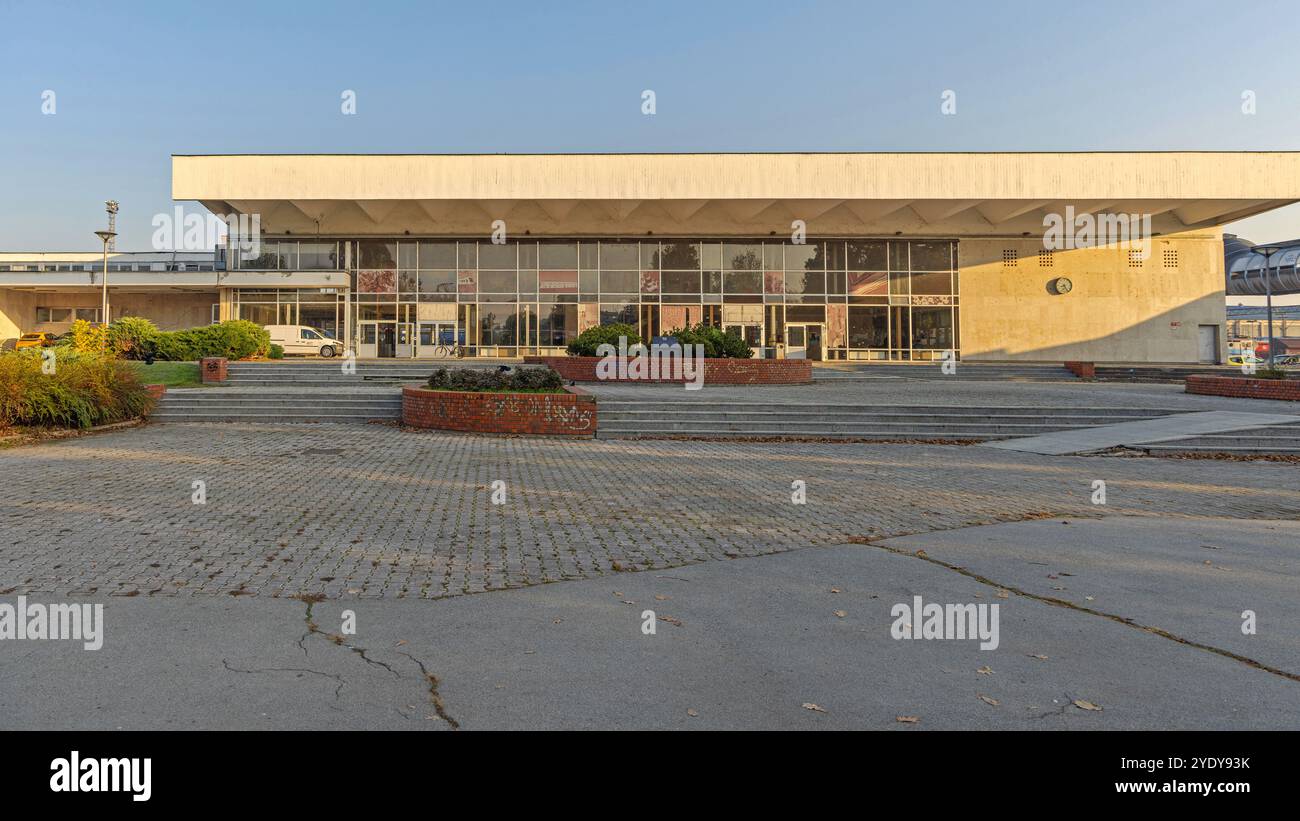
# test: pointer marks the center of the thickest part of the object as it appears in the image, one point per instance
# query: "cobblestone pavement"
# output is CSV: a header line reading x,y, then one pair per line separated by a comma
x,y
374,511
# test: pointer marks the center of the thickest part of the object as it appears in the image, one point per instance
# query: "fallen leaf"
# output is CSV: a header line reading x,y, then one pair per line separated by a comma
x,y
907,719
808,705
1086,705
400,643
835,590
1002,594
988,700
661,597
985,670
676,622
1037,656
841,613
692,713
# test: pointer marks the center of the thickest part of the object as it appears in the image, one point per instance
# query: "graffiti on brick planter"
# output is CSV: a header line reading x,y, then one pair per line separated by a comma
x,y
564,414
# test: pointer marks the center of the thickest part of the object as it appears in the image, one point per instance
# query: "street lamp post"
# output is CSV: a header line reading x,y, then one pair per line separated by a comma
x,y
106,236
1267,251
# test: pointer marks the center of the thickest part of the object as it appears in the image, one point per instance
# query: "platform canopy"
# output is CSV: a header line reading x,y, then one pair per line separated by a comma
x,y
880,194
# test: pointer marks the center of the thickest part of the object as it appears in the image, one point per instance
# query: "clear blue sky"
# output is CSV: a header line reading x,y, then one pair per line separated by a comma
x,y
139,81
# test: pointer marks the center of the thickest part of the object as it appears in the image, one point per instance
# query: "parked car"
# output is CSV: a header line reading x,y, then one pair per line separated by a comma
x,y
1289,360
39,339
1243,359
304,339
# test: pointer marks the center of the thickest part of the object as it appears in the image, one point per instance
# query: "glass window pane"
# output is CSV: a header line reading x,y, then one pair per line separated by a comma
x,y
406,253
932,328
803,257
619,256
868,327
680,256
438,255
496,282
931,256
497,256
623,282
868,256
932,283
318,256
744,282
376,254
681,282
437,282
498,324
467,255
742,256
559,256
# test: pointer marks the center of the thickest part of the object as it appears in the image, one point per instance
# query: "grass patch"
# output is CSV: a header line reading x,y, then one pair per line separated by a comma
x,y
171,374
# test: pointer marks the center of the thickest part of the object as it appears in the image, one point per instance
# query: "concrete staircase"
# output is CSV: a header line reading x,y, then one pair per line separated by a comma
x,y
1273,439
1156,373
291,404
631,419
329,373
965,372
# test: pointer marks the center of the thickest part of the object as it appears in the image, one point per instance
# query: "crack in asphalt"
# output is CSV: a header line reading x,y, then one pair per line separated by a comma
x,y
337,690
313,628
434,696
1068,605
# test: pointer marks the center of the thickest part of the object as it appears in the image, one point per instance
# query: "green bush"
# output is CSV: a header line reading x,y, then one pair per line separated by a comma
x,y
233,339
276,352
478,380
715,342
132,337
592,338
84,390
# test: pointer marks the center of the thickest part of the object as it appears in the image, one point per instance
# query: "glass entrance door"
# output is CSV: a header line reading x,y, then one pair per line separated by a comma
x,y
435,340
368,340
803,341
405,348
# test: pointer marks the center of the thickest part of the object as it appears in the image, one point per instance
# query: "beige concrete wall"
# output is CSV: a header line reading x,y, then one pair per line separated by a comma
x,y
1114,313
170,311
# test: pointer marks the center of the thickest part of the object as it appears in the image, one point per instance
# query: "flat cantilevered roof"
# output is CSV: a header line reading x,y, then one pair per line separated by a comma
x,y
740,193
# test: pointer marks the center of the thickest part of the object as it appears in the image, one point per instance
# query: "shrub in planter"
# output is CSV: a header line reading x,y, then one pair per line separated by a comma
x,y
478,380
716,343
276,352
83,390
592,338
1269,373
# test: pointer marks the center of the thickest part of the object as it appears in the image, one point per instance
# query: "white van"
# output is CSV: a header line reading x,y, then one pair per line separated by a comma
x,y
304,340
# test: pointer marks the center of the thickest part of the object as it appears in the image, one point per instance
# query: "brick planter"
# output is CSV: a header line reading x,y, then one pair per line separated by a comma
x,y
572,413
716,371
1083,370
156,391
1244,387
212,369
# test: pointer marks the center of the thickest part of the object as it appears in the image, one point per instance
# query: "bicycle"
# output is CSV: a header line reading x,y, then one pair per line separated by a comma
x,y
444,350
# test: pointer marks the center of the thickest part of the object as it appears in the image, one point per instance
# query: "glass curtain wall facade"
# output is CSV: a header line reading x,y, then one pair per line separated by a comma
x,y
858,298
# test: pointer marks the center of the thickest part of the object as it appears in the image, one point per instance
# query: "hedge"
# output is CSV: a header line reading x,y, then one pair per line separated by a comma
x,y
592,338
134,337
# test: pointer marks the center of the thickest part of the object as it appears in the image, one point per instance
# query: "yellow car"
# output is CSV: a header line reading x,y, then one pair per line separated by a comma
x,y
35,340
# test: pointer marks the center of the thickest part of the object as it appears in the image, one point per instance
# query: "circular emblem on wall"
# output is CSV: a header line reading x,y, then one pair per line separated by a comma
x,y
1061,285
